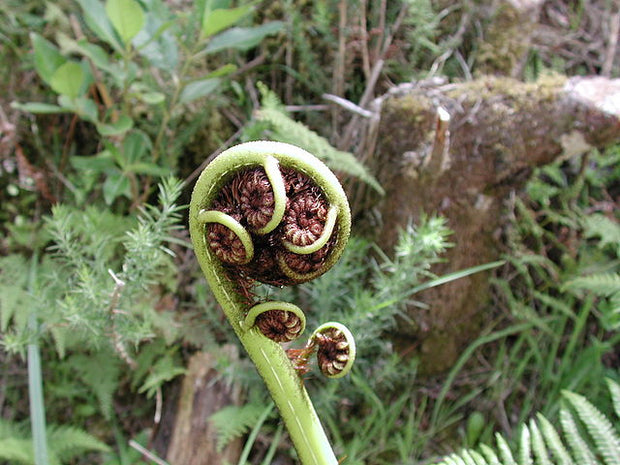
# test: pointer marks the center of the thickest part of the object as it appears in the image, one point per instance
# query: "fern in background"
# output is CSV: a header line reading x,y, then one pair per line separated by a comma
x,y
65,444
95,305
588,437
282,128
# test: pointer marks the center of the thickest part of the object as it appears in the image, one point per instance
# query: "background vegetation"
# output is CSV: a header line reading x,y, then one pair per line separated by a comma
x,y
107,112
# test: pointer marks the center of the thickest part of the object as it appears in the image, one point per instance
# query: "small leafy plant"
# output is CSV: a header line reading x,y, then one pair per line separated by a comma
x,y
133,77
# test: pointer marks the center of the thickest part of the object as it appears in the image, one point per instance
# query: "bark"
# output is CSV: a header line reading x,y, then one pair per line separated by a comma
x,y
186,437
459,150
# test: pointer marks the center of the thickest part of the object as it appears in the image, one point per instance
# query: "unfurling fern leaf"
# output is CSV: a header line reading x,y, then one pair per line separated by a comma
x,y
590,436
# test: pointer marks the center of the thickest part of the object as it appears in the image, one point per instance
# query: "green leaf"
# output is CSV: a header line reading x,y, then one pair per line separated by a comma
x,y
222,71
243,38
135,146
47,57
152,98
156,43
215,21
197,89
84,107
115,185
97,20
101,163
95,53
38,107
124,124
68,79
145,93
126,16
147,168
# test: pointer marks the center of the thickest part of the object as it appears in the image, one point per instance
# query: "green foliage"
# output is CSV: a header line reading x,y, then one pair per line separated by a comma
x,y
156,364
95,306
142,59
562,282
65,444
233,421
589,437
282,128
100,372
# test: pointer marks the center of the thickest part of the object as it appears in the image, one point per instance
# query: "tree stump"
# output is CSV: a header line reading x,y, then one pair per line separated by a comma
x,y
459,150
186,436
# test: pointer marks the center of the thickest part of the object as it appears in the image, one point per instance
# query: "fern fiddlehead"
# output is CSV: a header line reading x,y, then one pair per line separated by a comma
x,y
271,212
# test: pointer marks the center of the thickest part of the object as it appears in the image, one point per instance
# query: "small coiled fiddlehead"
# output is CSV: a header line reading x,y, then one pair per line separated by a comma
x,y
271,212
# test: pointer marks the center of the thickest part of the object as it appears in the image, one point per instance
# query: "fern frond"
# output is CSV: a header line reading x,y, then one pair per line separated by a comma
x,y
234,421
614,389
489,455
453,459
16,451
13,296
525,447
100,371
477,458
504,450
602,284
600,428
553,441
68,442
287,130
538,445
598,225
581,451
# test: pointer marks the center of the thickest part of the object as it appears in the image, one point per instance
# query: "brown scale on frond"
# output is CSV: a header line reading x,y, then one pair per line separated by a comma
x,y
279,325
333,352
225,244
248,197
305,218
254,194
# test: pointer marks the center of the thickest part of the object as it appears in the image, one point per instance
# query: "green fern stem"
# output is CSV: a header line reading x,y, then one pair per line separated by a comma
x,y
271,360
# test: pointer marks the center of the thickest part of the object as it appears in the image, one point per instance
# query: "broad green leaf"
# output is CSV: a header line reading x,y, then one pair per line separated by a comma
x,y
126,16
97,20
95,53
147,168
47,57
115,185
197,89
156,43
222,71
135,146
145,93
121,126
243,38
103,162
82,106
68,79
38,107
215,21
152,98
